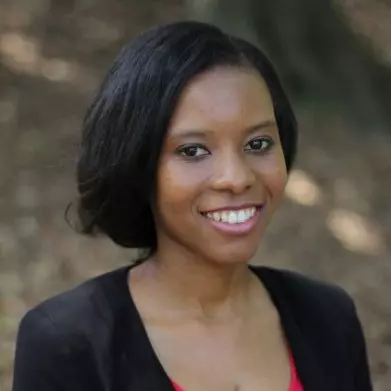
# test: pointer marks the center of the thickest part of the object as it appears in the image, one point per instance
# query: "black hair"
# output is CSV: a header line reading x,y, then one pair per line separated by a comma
x,y
125,125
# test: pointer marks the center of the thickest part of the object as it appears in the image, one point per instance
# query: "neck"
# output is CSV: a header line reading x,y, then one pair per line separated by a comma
x,y
205,289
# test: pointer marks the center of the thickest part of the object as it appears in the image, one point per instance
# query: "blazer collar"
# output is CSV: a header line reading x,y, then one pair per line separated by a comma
x,y
138,368
309,368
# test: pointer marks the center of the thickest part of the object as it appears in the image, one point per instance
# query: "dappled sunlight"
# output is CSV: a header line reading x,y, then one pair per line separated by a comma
x,y
302,189
57,69
22,54
335,223
355,232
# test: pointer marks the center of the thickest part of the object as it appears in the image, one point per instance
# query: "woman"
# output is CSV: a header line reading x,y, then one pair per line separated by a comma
x,y
185,154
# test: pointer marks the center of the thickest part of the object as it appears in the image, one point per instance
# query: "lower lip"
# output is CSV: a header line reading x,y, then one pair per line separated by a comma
x,y
239,228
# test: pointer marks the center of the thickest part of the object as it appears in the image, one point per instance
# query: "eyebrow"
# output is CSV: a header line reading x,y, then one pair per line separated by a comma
x,y
262,125
204,132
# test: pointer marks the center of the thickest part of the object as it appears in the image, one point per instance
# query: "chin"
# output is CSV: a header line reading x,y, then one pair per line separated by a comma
x,y
231,256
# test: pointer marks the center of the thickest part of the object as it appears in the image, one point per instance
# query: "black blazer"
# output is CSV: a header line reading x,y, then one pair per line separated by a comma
x,y
91,338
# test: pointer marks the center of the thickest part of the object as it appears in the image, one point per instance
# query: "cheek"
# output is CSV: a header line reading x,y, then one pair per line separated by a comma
x,y
274,174
179,184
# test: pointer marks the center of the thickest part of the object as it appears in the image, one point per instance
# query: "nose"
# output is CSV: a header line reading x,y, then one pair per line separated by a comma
x,y
232,173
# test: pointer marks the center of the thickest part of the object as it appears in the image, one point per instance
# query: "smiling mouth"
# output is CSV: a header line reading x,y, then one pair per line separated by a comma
x,y
234,217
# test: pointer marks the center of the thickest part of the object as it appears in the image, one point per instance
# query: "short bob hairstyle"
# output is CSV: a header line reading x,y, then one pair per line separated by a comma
x,y
126,124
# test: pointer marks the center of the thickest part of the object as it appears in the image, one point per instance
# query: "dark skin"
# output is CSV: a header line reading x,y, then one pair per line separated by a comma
x,y
210,320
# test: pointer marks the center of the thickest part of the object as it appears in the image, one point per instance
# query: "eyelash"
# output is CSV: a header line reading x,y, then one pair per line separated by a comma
x,y
268,140
182,149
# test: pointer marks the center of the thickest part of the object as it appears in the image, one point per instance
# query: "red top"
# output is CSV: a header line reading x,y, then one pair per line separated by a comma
x,y
295,384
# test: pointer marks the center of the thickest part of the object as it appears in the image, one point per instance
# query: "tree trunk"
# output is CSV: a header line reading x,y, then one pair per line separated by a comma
x,y
319,58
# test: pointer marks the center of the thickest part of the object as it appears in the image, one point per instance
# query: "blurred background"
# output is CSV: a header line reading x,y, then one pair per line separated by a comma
x,y
335,223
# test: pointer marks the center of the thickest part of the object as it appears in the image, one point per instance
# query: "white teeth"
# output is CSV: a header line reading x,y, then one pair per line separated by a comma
x,y
251,212
242,216
216,216
232,216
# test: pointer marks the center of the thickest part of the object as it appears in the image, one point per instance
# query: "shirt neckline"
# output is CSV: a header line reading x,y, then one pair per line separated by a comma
x,y
145,349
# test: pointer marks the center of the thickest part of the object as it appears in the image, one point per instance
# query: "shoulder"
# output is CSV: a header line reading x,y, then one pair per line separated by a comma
x,y
67,339
87,299
326,316
306,294
73,315
321,309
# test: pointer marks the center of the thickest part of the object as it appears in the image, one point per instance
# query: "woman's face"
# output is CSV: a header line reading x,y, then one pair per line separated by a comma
x,y
222,171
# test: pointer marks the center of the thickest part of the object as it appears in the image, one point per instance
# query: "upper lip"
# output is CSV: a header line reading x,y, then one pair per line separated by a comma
x,y
234,207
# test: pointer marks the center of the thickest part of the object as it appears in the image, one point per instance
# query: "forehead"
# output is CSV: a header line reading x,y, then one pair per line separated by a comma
x,y
230,96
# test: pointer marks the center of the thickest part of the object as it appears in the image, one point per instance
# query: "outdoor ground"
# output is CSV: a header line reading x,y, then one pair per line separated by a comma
x,y
335,223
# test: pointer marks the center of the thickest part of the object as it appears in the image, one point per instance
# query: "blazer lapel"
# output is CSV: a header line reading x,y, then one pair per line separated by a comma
x,y
137,367
146,372
306,359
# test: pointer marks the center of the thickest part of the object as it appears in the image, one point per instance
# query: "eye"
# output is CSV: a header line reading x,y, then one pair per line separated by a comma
x,y
260,144
192,151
